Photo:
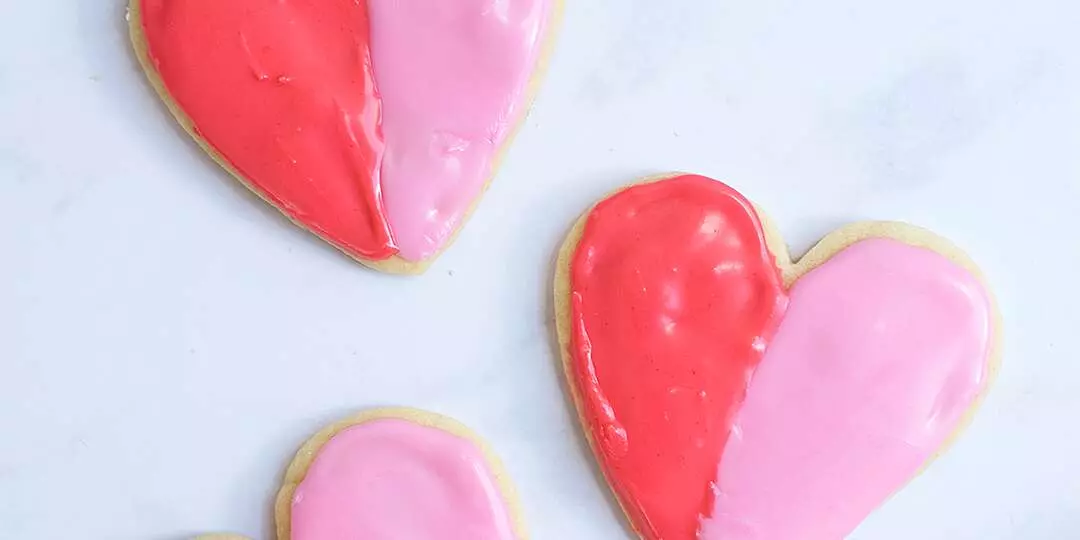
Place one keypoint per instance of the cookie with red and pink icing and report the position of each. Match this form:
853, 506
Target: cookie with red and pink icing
730, 391
387, 474
376, 125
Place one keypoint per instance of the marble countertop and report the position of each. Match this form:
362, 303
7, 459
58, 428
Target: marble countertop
167, 341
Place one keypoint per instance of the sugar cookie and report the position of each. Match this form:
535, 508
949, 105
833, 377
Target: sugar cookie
391, 474
375, 125
729, 391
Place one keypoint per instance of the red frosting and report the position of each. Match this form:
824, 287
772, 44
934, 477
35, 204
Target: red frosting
284, 91
674, 295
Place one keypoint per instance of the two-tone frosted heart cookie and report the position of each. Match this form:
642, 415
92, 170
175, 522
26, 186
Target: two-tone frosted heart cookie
729, 392
374, 124
391, 474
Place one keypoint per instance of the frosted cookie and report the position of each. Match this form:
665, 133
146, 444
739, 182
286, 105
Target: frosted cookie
729, 391
375, 125
393, 474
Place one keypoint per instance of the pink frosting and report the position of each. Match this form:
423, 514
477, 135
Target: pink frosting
882, 351
453, 77
395, 480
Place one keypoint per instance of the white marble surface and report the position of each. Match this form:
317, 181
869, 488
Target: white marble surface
166, 341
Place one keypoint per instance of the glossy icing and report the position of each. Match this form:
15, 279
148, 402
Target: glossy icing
674, 296
284, 91
723, 407
882, 351
392, 479
454, 78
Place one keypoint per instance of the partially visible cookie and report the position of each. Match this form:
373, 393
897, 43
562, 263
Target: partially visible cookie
729, 391
375, 125
390, 474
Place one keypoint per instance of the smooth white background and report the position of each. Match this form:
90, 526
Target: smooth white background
167, 341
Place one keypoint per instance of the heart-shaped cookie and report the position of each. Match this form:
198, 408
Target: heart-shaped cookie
376, 125
389, 474
731, 393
